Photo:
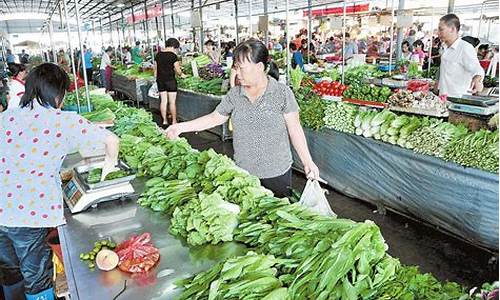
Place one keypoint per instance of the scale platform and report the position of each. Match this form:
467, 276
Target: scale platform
483, 101
80, 195
475, 110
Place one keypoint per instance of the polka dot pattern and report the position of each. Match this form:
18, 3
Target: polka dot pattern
36, 141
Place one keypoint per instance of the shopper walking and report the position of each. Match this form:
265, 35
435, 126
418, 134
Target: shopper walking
418, 52
137, 53
460, 69
106, 69
297, 57
87, 64
351, 47
265, 119
211, 52
16, 84
35, 138
165, 67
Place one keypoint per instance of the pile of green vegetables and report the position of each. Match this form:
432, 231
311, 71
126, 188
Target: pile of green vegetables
358, 75
340, 116
134, 72
478, 150
312, 109
368, 92
252, 276
301, 255
100, 115
94, 175
434, 136
211, 87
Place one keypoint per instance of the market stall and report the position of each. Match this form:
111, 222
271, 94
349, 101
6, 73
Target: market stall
463, 201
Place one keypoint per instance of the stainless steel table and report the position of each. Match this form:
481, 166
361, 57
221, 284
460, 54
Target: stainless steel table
119, 220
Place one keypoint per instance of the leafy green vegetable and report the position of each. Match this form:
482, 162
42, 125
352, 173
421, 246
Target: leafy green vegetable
478, 150
340, 116
253, 276
99, 115
296, 76
312, 110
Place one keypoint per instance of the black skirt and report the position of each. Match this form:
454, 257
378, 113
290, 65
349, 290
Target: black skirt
167, 86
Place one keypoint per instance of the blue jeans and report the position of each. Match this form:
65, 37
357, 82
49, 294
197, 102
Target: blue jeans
24, 253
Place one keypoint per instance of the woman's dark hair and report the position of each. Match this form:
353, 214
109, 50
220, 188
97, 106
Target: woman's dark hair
292, 46
418, 43
406, 43
109, 49
471, 40
15, 69
172, 42
255, 51
47, 84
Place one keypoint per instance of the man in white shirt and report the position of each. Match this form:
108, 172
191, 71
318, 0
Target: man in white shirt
460, 69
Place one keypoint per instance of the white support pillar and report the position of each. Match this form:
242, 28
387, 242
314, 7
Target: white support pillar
72, 56
77, 15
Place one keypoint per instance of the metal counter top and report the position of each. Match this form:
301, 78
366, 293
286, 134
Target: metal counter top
119, 220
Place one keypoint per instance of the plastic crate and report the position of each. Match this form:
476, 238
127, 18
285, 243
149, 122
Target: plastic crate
83, 107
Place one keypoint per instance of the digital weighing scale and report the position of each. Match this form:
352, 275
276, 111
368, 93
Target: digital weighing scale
79, 195
478, 105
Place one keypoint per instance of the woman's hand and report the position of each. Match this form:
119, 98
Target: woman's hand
311, 170
173, 131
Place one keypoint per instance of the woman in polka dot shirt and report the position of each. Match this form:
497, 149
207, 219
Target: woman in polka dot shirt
34, 140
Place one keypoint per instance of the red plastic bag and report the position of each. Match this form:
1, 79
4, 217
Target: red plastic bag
418, 86
137, 254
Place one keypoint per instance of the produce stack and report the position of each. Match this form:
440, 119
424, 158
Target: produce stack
326, 88
367, 93
340, 116
434, 136
478, 149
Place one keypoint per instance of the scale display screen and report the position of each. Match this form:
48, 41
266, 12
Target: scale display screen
72, 193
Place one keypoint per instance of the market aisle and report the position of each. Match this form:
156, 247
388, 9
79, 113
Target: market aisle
413, 243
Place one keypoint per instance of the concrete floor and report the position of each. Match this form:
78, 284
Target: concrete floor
446, 257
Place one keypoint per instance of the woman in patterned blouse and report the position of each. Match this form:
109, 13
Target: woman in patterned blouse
34, 140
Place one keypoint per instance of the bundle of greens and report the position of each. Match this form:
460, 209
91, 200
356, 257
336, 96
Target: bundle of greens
312, 110
340, 116
433, 137
132, 149
94, 175
410, 284
478, 150
165, 195
207, 219
252, 277
296, 76
368, 92
100, 115
357, 75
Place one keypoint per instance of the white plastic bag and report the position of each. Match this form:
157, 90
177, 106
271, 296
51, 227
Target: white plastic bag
153, 91
314, 198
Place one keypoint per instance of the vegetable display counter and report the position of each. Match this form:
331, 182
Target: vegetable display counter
131, 88
191, 105
463, 201
119, 220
